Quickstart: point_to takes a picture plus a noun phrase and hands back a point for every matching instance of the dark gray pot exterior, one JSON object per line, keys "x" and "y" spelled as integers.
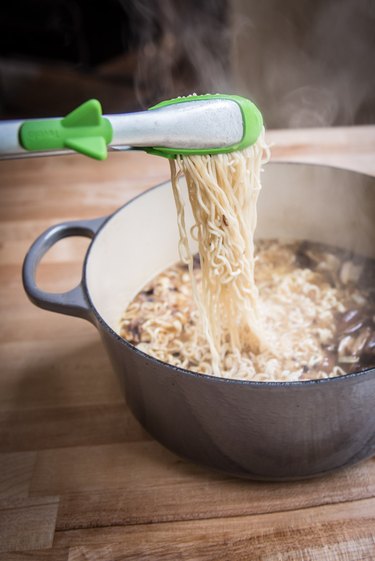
{"x": 253, "y": 430}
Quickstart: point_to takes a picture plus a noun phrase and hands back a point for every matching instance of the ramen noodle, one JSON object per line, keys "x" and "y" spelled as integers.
{"x": 223, "y": 190}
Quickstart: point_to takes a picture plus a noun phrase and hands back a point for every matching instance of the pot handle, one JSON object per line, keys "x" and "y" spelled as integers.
{"x": 74, "y": 302}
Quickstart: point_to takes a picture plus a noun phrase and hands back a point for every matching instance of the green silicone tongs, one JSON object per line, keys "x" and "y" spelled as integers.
{"x": 198, "y": 124}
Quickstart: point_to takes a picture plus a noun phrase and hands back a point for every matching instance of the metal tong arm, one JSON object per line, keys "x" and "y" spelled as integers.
{"x": 204, "y": 124}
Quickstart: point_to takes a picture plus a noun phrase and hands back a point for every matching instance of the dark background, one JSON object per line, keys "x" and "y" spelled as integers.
{"x": 304, "y": 62}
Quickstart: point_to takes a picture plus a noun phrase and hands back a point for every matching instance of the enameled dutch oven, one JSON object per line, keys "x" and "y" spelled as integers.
{"x": 274, "y": 431}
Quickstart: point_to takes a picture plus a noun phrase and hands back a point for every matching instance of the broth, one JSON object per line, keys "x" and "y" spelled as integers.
{"x": 317, "y": 306}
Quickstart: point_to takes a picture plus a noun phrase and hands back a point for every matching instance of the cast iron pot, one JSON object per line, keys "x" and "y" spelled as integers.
{"x": 272, "y": 431}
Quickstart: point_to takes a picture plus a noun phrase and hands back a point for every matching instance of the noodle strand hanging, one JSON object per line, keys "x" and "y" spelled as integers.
{"x": 223, "y": 191}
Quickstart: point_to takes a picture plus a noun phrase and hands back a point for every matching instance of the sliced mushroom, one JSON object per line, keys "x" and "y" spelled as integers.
{"x": 344, "y": 347}
{"x": 351, "y": 321}
{"x": 361, "y": 341}
{"x": 309, "y": 256}
{"x": 350, "y": 273}
{"x": 329, "y": 263}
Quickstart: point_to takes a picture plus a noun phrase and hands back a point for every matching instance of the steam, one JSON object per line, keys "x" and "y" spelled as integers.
{"x": 304, "y": 63}
{"x": 308, "y": 63}
{"x": 184, "y": 47}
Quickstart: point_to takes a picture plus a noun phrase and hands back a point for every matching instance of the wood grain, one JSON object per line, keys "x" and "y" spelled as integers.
{"x": 203, "y": 495}
{"x": 310, "y": 533}
{"x": 43, "y": 428}
{"x": 341, "y": 147}
{"x": 55, "y": 554}
{"x": 66, "y": 378}
{"x": 15, "y": 474}
{"x": 79, "y": 478}
{"x": 27, "y": 523}
{"x": 188, "y": 491}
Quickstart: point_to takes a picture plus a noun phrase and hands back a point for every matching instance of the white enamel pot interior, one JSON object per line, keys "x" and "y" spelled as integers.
{"x": 304, "y": 202}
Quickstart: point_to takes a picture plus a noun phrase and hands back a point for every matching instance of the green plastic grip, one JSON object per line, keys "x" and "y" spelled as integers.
{"x": 252, "y": 125}
{"x": 84, "y": 130}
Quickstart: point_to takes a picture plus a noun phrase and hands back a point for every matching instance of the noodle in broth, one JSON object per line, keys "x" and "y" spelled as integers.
{"x": 316, "y": 304}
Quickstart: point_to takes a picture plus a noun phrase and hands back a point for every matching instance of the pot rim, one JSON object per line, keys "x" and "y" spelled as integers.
{"x": 209, "y": 378}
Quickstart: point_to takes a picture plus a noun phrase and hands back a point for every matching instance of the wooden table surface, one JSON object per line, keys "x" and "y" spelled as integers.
{"x": 79, "y": 478}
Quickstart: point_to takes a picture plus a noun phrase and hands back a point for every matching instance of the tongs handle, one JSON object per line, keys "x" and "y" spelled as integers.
{"x": 84, "y": 130}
